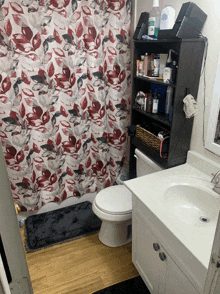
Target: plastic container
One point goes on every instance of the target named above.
(174, 71)
(141, 66)
(154, 20)
(155, 105)
(137, 67)
(146, 62)
(156, 65)
(145, 102)
(21, 220)
(167, 18)
(149, 102)
(151, 66)
(163, 59)
(167, 74)
(169, 97)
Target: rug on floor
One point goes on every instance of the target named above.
(131, 286)
(60, 225)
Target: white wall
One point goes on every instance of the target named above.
(211, 30)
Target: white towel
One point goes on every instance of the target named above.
(190, 106)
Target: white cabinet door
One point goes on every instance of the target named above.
(161, 276)
(145, 258)
(176, 281)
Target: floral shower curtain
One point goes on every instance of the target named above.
(64, 95)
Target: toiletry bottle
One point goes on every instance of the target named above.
(163, 59)
(137, 67)
(141, 66)
(154, 20)
(174, 71)
(149, 102)
(155, 103)
(145, 102)
(151, 66)
(156, 65)
(146, 64)
(167, 18)
(167, 72)
(169, 97)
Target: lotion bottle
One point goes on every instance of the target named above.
(146, 61)
(156, 65)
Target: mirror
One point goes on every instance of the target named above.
(212, 142)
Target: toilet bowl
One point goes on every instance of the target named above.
(113, 205)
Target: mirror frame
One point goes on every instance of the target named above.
(213, 116)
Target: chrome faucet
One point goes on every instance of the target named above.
(216, 181)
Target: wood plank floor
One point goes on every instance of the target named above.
(82, 266)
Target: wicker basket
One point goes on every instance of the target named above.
(148, 138)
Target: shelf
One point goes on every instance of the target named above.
(176, 40)
(172, 40)
(155, 81)
(190, 60)
(150, 152)
(160, 117)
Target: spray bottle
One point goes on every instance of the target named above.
(167, 73)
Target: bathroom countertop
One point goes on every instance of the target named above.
(198, 239)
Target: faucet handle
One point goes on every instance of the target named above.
(215, 178)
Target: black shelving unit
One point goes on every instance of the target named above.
(190, 57)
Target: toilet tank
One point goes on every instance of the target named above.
(145, 165)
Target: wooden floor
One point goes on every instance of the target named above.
(81, 266)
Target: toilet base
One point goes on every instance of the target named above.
(115, 234)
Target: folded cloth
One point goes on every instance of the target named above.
(190, 106)
(146, 37)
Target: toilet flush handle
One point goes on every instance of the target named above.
(136, 156)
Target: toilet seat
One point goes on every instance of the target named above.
(120, 200)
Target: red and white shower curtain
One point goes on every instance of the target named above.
(64, 96)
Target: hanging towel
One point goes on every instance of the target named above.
(190, 106)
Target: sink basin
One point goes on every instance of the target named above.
(191, 204)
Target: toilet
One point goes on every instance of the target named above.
(113, 205)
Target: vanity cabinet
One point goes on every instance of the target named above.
(156, 267)
(189, 60)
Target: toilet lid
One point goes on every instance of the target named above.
(114, 200)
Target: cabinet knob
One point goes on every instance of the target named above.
(156, 246)
(162, 256)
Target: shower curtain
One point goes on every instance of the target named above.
(64, 95)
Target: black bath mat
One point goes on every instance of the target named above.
(131, 286)
(57, 226)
